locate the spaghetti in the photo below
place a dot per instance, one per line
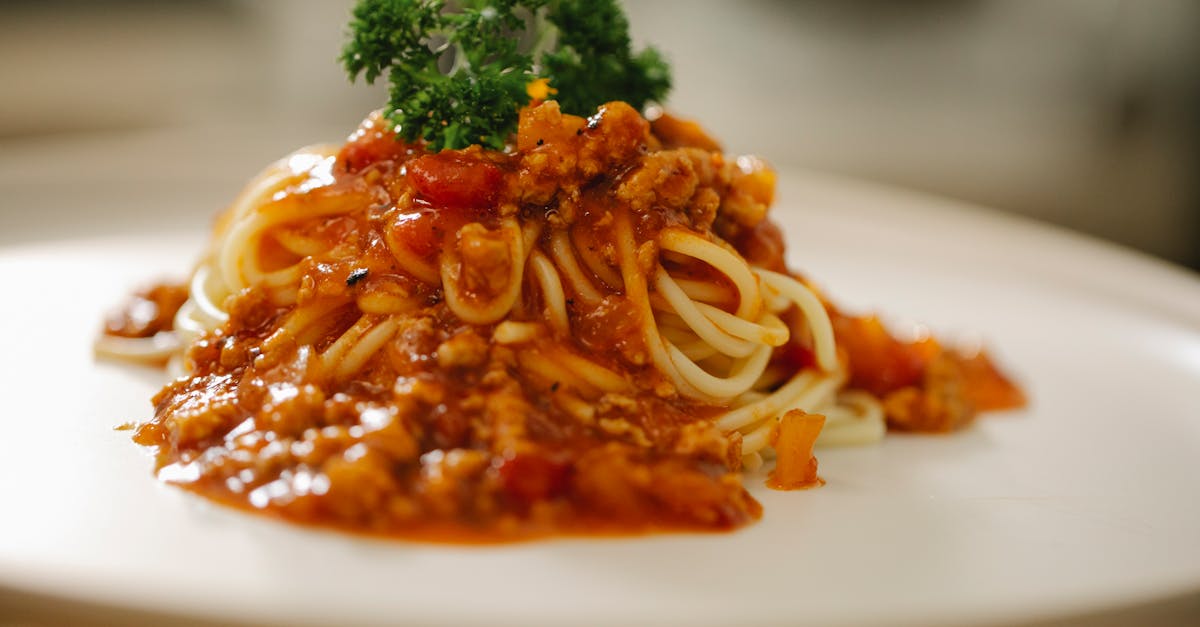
(590, 331)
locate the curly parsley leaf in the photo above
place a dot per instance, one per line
(458, 76)
(593, 63)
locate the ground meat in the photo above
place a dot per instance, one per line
(147, 312)
(665, 179)
(464, 350)
(751, 192)
(355, 397)
(486, 263)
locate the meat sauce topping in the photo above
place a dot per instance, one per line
(445, 436)
(147, 312)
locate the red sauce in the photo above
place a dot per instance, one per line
(454, 179)
(445, 434)
(924, 386)
(147, 311)
(372, 143)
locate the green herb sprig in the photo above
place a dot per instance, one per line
(458, 74)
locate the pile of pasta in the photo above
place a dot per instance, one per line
(594, 328)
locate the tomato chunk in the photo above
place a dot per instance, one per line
(374, 141)
(421, 231)
(879, 363)
(529, 477)
(451, 179)
(987, 388)
(793, 440)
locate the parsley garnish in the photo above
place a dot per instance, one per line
(458, 76)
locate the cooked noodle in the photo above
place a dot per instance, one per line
(625, 319)
(747, 335)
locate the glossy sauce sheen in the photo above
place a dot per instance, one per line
(444, 435)
(469, 448)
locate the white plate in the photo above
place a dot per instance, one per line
(1085, 502)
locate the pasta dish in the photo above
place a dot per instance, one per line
(589, 329)
(594, 331)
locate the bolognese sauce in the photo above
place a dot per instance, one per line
(566, 336)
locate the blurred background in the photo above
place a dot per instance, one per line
(1084, 113)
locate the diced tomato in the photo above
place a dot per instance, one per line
(371, 143)
(451, 179)
(424, 230)
(986, 387)
(763, 246)
(419, 230)
(795, 466)
(530, 477)
(795, 357)
(879, 363)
